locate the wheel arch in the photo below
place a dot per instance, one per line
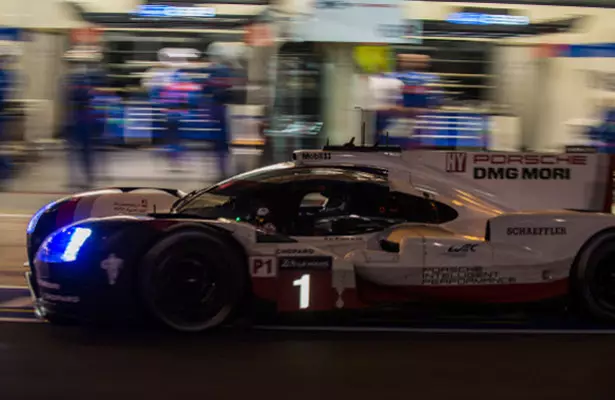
(584, 247)
(182, 227)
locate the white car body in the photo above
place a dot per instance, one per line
(497, 249)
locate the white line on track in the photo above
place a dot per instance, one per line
(13, 287)
(19, 302)
(15, 216)
(28, 320)
(440, 330)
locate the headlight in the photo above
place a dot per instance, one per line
(37, 216)
(64, 245)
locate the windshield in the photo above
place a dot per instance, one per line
(236, 197)
(218, 201)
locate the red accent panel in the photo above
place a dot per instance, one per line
(351, 300)
(265, 288)
(66, 213)
(517, 293)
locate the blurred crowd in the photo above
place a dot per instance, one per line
(186, 86)
(181, 83)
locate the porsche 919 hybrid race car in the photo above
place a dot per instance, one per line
(333, 229)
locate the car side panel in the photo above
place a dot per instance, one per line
(553, 236)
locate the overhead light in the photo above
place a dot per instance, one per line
(160, 11)
(467, 18)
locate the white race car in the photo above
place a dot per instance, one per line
(334, 229)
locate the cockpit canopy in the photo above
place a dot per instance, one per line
(299, 200)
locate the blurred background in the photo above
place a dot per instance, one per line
(181, 94)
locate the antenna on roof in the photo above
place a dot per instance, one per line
(350, 143)
(387, 141)
(363, 133)
(327, 144)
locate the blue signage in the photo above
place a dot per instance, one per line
(11, 34)
(164, 11)
(468, 18)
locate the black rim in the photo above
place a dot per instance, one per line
(602, 285)
(187, 288)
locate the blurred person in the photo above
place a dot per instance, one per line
(83, 122)
(413, 72)
(398, 97)
(384, 99)
(267, 154)
(417, 97)
(104, 124)
(5, 88)
(219, 86)
(170, 86)
(605, 130)
(79, 129)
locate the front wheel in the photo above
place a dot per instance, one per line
(594, 278)
(192, 281)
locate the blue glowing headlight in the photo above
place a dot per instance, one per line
(64, 245)
(36, 217)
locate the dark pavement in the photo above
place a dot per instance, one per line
(44, 362)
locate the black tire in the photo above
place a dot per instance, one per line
(594, 277)
(192, 281)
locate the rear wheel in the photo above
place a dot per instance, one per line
(595, 277)
(192, 281)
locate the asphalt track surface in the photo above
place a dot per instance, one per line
(40, 361)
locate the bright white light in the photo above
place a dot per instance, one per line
(156, 11)
(304, 291)
(77, 239)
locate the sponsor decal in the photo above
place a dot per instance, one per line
(456, 162)
(530, 159)
(515, 166)
(582, 149)
(512, 173)
(112, 265)
(316, 156)
(343, 238)
(60, 299)
(138, 207)
(263, 267)
(463, 276)
(464, 248)
(294, 251)
(536, 231)
(314, 262)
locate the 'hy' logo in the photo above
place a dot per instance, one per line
(456, 162)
